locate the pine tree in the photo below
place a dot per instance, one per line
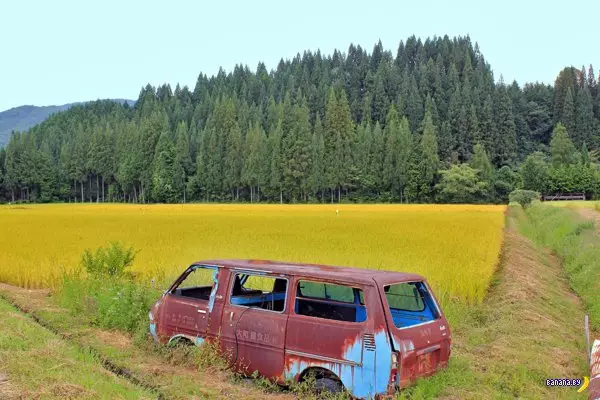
(377, 158)
(212, 167)
(506, 135)
(338, 131)
(414, 174)
(163, 171)
(568, 117)
(252, 160)
(405, 144)
(152, 128)
(430, 160)
(414, 105)
(183, 160)
(379, 101)
(561, 147)
(487, 128)
(482, 164)
(584, 117)
(391, 135)
(348, 141)
(232, 171)
(299, 159)
(276, 167)
(474, 135)
(457, 123)
(534, 172)
(317, 176)
(362, 153)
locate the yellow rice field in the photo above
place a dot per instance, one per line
(455, 247)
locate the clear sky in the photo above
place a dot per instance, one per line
(56, 52)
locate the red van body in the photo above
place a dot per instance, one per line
(371, 332)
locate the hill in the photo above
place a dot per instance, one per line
(425, 122)
(24, 117)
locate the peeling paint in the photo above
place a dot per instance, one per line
(364, 373)
(371, 356)
(153, 331)
(211, 299)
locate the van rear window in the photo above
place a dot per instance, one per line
(410, 304)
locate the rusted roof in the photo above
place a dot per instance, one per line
(331, 272)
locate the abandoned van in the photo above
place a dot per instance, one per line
(367, 331)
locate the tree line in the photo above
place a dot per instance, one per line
(429, 124)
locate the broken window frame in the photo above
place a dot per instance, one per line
(190, 270)
(235, 273)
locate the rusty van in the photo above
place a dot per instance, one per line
(367, 331)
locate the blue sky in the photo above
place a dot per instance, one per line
(56, 52)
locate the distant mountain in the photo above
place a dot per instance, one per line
(24, 117)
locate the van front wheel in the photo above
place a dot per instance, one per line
(328, 385)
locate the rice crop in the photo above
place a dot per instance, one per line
(456, 247)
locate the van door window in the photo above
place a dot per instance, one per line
(330, 301)
(410, 304)
(197, 284)
(259, 291)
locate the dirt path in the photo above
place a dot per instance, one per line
(529, 329)
(174, 378)
(591, 215)
(7, 390)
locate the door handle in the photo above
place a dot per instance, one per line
(202, 311)
(231, 316)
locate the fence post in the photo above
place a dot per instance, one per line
(588, 352)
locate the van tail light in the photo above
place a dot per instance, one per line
(394, 371)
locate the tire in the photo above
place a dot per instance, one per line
(180, 342)
(328, 385)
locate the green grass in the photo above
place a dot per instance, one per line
(110, 303)
(38, 364)
(574, 203)
(177, 372)
(525, 332)
(573, 239)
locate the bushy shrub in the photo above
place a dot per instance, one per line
(108, 295)
(111, 261)
(523, 197)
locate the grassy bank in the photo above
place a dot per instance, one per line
(574, 241)
(36, 363)
(527, 330)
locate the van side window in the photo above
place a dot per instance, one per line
(410, 303)
(259, 291)
(330, 301)
(198, 283)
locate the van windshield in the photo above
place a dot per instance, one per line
(410, 304)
